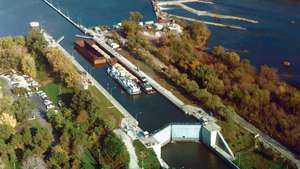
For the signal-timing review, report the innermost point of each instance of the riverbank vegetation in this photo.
(219, 80)
(78, 135)
(147, 157)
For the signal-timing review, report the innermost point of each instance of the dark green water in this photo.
(182, 155)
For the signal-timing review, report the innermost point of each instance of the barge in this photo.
(92, 52)
(128, 81)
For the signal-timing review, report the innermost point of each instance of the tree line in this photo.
(78, 136)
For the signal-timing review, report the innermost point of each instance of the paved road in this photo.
(40, 111)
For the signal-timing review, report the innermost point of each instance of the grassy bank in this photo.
(147, 158)
(110, 114)
(52, 90)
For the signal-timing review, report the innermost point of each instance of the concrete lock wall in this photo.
(163, 136)
(185, 132)
(208, 134)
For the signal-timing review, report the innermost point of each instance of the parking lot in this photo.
(39, 98)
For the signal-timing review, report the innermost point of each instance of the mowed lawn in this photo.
(52, 90)
(111, 115)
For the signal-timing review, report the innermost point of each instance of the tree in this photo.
(199, 33)
(41, 139)
(83, 100)
(114, 148)
(27, 137)
(61, 65)
(135, 16)
(130, 27)
(28, 65)
(58, 158)
(232, 58)
(82, 117)
(6, 104)
(22, 109)
(218, 51)
(268, 73)
(5, 131)
(35, 41)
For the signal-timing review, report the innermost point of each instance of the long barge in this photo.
(92, 52)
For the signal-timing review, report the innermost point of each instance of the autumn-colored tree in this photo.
(135, 16)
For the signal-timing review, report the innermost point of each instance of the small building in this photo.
(149, 22)
(175, 27)
(34, 24)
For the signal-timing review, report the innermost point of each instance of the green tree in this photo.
(218, 51)
(130, 27)
(135, 16)
(22, 108)
(41, 139)
(28, 65)
(35, 41)
(199, 33)
(232, 58)
(115, 150)
(5, 131)
(83, 100)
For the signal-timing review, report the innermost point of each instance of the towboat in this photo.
(124, 78)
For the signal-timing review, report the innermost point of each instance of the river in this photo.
(274, 39)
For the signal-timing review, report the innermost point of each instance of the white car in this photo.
(49, 107)
(44, 96)
(47, 102)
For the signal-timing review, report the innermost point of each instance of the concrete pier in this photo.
(209, 23)
(175, 2)
(213, 15)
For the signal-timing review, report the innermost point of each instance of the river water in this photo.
(265, 43)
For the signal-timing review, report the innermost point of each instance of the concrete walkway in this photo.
(133, 163)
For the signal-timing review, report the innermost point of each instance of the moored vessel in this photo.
(90, 51)
(124, 78)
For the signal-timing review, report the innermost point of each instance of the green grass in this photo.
(110, 114)
(52, 90)
(147, 157)
(253, 160)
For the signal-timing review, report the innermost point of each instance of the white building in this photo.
(175, 27)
